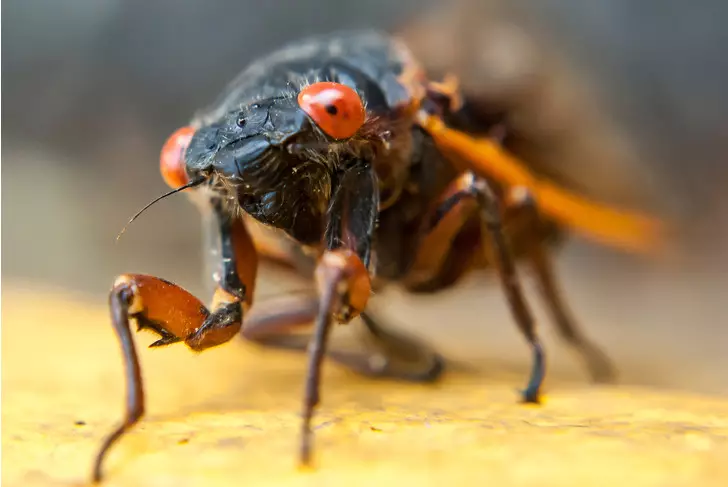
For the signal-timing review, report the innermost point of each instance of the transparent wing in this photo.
(211, 243)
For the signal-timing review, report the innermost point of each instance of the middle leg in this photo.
(470, 197)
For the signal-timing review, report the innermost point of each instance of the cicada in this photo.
(338, 156)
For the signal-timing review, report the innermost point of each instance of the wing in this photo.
(211, 246)
(559, 144)
(611, 226)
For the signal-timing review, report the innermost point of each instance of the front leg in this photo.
(341, 275)
(236, 281)
(176, 315)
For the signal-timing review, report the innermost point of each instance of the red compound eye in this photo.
(335, 108)
(172, 158)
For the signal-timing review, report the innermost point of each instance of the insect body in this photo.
(360, 171)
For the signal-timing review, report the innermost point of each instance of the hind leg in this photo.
(601, 369)
(282, 323)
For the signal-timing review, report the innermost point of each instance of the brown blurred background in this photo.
(626, 99)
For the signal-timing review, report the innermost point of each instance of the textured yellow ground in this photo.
(229, 417)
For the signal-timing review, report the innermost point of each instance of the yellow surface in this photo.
(230, 417)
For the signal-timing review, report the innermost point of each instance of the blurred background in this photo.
(623, 99)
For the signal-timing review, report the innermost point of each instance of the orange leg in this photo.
(343, 287)
(176, 315)
(273, 322)
(521, 204)
(342, 281)
(342, 276)
(451, 213)
(469, 197)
